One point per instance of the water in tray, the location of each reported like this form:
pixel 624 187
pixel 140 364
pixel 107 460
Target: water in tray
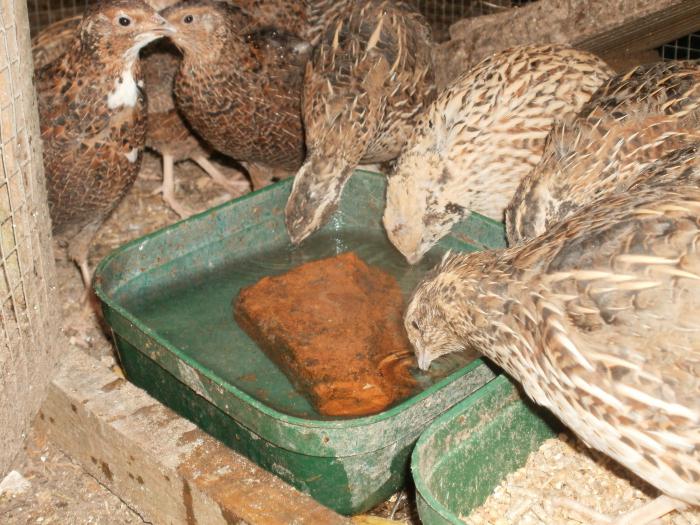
pixel 189 304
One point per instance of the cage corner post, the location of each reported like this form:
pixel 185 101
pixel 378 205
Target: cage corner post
pixel 29 335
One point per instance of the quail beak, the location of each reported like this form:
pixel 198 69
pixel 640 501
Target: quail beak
pixel 404 240
pixel 413 258
pixel 423 361
pixel 298 231
pixel 160 26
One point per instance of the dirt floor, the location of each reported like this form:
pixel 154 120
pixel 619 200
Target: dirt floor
pixel 60 491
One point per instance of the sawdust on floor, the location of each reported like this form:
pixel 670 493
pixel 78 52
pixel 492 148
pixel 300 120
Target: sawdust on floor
pixel 564 469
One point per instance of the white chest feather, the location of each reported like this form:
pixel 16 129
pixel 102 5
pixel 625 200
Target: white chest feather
pixel 132 155
pixel 125 92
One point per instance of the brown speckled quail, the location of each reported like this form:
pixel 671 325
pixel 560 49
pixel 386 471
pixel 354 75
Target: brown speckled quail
pixel 598 319
pixel 631 121
pixel 481 136
pixel 370 76
pixel 239 83
pixel 93 119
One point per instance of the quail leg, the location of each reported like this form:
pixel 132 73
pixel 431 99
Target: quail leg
pixel 79 248
pixel 260 177
pixel 233 188
pixel 168 188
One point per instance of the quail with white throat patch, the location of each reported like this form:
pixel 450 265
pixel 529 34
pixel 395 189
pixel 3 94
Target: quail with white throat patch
pixel 370 75
pixel 93 119
pixel 598 319
pixel 485 132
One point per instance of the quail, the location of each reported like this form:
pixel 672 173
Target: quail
pixel 598 319
pixel 239 84
pixel 370 76
pixel 483 133
pixel 632 120
pixel 92 115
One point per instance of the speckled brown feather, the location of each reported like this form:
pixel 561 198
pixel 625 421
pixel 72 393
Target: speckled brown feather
pixel 238 89
pixel 288 16
pixel 630 122
pixel 371 74
pixel 480 137
pixel 93 124
pixel 53 40
pixel 321 14
pixel 597 318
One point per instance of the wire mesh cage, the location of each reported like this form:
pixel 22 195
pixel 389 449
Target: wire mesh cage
pixel 686 48
pixel 441 14
pixel 45 12
pixel 28 336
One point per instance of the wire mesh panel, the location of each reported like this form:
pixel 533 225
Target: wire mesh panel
pixel 27 316
pixel 443 13
pixel 686 48
pixel 45 12
pixel 440 13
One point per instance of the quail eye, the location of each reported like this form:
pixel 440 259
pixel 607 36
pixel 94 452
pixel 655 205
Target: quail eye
pixel 188 19
pixel 124 21
pixel 415 325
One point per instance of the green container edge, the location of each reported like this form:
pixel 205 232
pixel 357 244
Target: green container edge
pixel 430 509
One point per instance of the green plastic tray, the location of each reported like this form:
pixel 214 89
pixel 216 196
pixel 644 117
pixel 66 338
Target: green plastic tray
pixel 167 297
pixel 465 453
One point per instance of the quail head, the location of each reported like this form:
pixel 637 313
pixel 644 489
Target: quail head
pixel 93 118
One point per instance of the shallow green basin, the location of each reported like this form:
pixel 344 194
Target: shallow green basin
pixel 167 297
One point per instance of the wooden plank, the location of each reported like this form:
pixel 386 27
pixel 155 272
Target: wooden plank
pixel 606 27
pixel 160 464
pixel 646 32
pixel 624 61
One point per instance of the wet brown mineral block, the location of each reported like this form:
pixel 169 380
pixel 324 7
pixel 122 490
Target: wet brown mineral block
pixel 334 327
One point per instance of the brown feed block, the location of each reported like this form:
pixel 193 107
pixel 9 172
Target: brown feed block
pixel 334 326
